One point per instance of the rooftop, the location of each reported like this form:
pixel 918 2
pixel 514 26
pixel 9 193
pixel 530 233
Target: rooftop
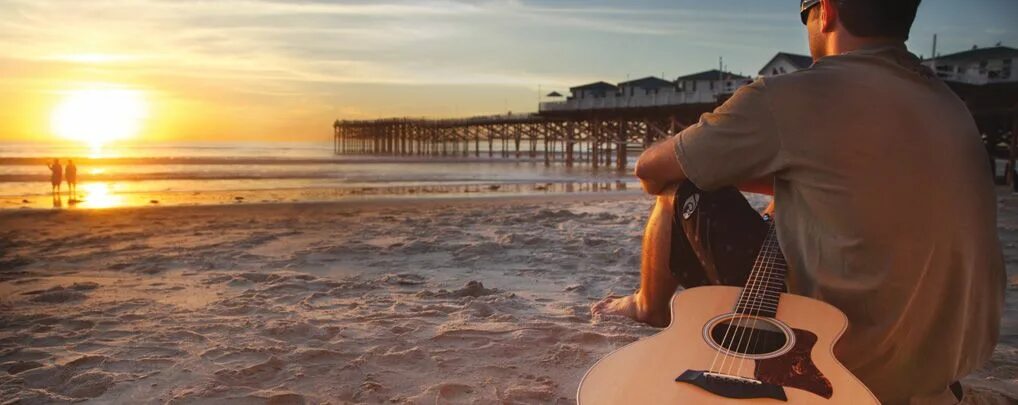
pixel 996 52
pixel 799 61
pixel 711 75
pixel 595 86
pixel 649 82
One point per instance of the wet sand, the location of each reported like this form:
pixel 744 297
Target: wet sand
pixel 440 301
pixel 102 195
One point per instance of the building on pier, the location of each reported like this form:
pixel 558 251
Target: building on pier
pixel 593 91
pixel 709 86
pixel 701 88
pixel 647 86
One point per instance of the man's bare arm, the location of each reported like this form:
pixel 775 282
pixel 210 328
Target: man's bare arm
pixel 658 167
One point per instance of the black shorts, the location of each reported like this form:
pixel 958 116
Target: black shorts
pixel 716 237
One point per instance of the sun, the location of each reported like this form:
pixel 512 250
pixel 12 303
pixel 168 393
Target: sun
pixel 97 116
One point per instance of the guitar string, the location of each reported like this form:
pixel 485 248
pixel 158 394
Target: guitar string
pixel 728 330
pixel 758 274
pixel 775 269
pixel 724 339
pixel 738 325
pixel 738 303
pixel 757 304
pixel 743 298
pixel 753 296
pixel 749 313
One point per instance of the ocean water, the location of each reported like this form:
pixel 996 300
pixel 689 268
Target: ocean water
pixel 160 174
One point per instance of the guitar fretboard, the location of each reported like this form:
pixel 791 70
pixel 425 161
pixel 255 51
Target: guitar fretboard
pixel 766 281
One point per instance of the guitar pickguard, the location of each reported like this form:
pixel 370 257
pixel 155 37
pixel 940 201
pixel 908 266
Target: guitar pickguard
pixel 796 369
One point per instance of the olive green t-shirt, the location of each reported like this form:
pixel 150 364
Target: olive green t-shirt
pixel 885 208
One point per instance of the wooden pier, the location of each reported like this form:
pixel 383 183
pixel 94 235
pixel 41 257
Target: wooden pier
pixel 601 138
pixel 605 138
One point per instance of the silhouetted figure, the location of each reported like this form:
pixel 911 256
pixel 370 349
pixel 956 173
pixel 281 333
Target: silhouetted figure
pixel 71 175
pixel 56 175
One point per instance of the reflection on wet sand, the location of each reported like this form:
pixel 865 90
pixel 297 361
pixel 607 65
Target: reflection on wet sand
pixel 91 195
pixel 98 195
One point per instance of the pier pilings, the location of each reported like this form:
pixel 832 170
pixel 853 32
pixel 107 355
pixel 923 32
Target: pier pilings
pixel 596 138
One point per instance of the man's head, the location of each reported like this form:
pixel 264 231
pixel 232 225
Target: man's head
pixel 837 26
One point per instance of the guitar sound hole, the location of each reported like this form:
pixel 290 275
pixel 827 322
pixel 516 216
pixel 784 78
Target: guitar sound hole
pixel 749 336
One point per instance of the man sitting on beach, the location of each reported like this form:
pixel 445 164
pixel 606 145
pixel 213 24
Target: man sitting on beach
pixel 884 204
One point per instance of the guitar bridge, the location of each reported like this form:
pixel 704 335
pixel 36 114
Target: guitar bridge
pixel 732 386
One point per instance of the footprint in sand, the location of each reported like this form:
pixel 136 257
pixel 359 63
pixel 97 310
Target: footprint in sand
pixel 446 393
pixel 56 295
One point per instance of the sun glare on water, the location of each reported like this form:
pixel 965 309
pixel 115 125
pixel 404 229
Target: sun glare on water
pixel 100 195
pixel 98 116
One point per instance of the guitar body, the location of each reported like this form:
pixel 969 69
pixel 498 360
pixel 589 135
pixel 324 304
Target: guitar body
pixel 805 368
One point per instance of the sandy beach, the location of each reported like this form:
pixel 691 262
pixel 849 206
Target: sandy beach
pixel 441 301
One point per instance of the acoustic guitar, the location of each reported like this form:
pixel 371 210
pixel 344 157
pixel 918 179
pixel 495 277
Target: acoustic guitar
pixel 730 345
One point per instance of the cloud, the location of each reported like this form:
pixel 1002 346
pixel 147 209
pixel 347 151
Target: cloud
pixel 380 41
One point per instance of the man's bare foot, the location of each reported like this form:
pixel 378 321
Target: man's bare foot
pixel 649 304
pixel 629 307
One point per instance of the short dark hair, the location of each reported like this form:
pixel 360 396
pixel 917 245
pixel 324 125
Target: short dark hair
pixel 878 18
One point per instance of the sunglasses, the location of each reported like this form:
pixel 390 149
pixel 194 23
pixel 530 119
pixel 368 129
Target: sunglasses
pixel 805 6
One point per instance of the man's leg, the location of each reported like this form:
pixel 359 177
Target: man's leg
pixel 693 238
pixel 657 284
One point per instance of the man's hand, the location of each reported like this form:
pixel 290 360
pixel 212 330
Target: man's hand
pixel 658 167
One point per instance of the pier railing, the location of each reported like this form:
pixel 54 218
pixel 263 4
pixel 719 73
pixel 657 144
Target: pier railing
pixel 662 99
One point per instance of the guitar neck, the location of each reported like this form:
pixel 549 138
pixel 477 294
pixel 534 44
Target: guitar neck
pixel 767 280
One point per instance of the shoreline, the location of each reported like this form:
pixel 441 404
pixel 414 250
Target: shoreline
pixel 344 197
pixel 559 159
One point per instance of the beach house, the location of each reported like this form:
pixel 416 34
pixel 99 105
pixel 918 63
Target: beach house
pixel 707 87
pixel 785 62
pixel 710 86
pixel 593 90
pixel 979 66
pixel 647 86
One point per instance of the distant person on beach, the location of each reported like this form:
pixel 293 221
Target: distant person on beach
pixel 908 250
pixel 56 175
pixel 71 175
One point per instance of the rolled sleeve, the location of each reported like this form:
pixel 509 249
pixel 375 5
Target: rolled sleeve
pixel 737 142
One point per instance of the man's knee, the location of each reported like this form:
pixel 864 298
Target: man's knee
pixel 722 230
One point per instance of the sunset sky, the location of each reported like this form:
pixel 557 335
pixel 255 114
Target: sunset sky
pixel 275 70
